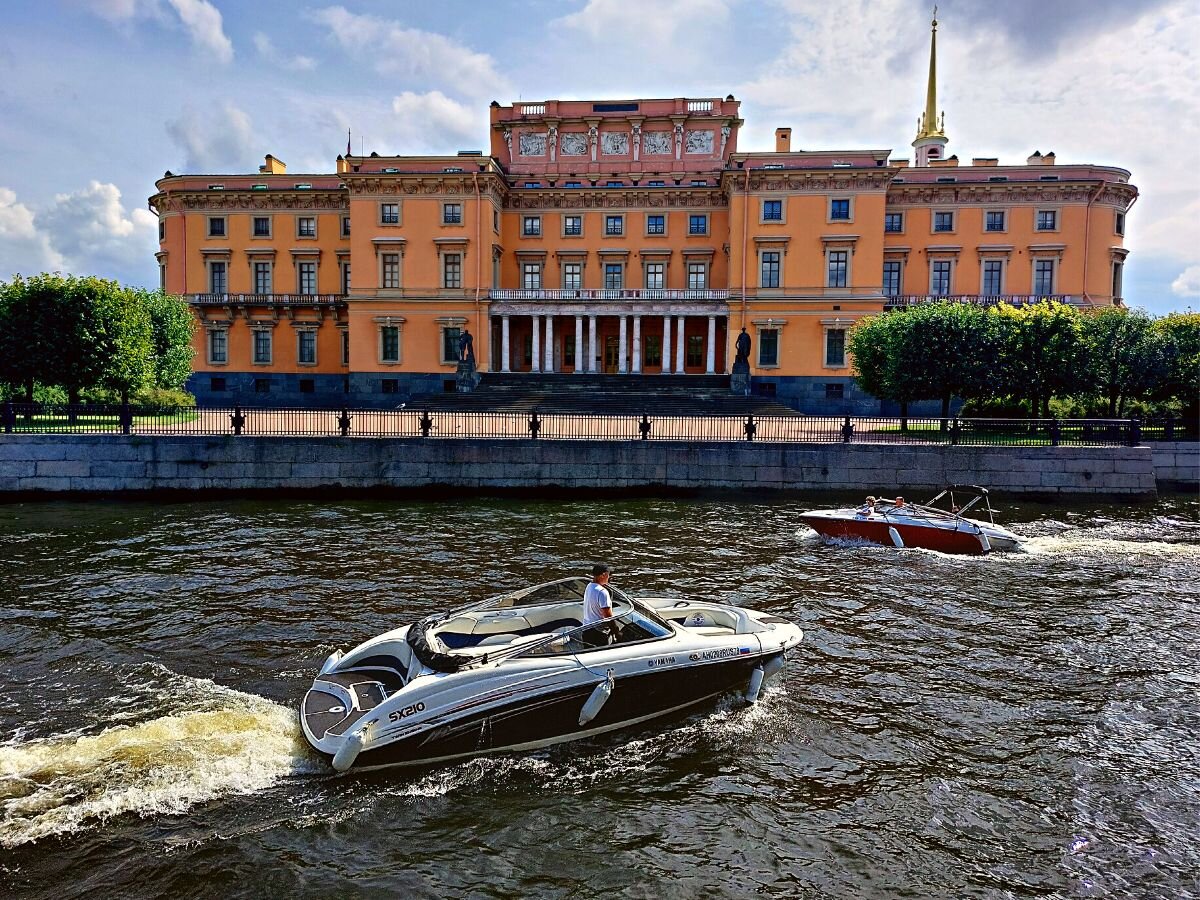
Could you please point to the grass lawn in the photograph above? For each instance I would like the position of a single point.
(86, 422)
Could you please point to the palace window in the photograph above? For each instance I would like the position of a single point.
(614, 225)
(698, 182)
(1118, 279)
(769, 277)
(891, 278)
(391, 271)
(695, 350)
(656, 224)
(572, 225)
(835, 347)
(531, 276)
(614, 276)
(939, 278)
(533, 184)
(262, 346)
(216, 226)
(572, 276)
(656, 275)
(994, 220)
(653, 350)
(162, 229)
(993, 277)
(307, 277)
(697, 276)
(306, 348)
(306, 227)
(1119, 223)
(768, 347)
(572, 184)
(345, 278)
(218, 346)
(569, 350)
(698, 224)
(839, 260)
(943, 221)
(835, 391)
(1047, 220)
(614, 184)
(262, 278)
(217, 281)
(893, 223)
(307, 385)
(389, 343)
(217, 384)
(262, 226)
(656, 183)
(531, 226)
(345, 346)
(345, 226)
(450, 335)
(839, 209)
(1043, 277)
(389, 385)
(452, 270)
(389, 213)
(772, 210)
(262, 385)
(451, 213)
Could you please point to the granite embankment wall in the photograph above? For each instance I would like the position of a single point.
(110, 463)
(1177, 464)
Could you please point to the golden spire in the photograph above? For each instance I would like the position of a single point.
(929, 125)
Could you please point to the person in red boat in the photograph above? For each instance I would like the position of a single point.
(867, 509)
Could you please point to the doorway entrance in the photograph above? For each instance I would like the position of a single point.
(611, 350)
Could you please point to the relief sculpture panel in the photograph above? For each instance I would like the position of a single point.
(615, 143)
(533, 145)
(656, 142)
(574, 144)
(699, 142)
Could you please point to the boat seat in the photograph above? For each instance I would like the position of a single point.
(714, 631)
(493, 640)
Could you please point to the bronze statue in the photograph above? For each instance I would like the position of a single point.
(742, 345)
(466, 347)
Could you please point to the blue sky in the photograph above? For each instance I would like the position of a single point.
(99, 97)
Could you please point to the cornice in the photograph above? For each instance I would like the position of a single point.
(617, 199)
(314, 200)
(415, 185)
(823, 181)
(1008, 192)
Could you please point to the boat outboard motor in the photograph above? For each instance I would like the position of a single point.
(761, 673)
(596, 702)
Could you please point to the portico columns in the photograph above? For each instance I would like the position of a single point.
(579, 348)
(591, 359)
(504, 351)
(666, 348)
(637, 345)
(711, 362)
(621, 358)
(535, 363)
(679, 345)
(549, 366)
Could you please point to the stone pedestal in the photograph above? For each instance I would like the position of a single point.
(467, 378)
(739, 378)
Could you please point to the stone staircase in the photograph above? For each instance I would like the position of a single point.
(655, 395)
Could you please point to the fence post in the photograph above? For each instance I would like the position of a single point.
(644, 427)
(344, 422)
(955, 431)
(535, 425)
(1135, 432)
(426, 423)
(237, 420)
(1055, 432)
(10, 418)
(750, 428)
(1169, 429)
(847, 431)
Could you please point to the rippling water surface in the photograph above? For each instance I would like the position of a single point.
(1022, 725)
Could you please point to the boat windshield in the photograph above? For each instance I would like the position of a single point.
(631, 623)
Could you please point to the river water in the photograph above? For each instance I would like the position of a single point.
(1022, 725)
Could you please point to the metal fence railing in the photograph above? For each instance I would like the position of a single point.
(18, 418)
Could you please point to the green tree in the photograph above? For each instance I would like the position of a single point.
(1125, 358)
(172, 326)
(888, 360)
(957, 351)
(1181, 334)
(1039, 352)
(32, 314)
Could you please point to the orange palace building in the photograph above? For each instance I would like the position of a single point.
(632, 237)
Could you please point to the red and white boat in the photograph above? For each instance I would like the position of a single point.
(928, 526)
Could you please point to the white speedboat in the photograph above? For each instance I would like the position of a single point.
(519, 671)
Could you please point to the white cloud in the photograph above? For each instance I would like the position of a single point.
(437, 121)
(203, 22)
(1188, 283)
(424, 56)
(122, 10)
(215, 140)
(626, 21)
(88, 232)
(267, 50)
(24, 247)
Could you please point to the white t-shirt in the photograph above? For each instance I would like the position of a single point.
(595, 598)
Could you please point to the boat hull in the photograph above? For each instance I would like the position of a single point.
(942, 538)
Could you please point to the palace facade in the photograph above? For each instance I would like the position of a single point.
(631, 237)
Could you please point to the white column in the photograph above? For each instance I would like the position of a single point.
(666, 350)
(591, 360)
(579, 348)
(505, 354)
(712, 345)
(679, 345)
(536, 355)
(622, 358)
(549, 366)
(637, 345)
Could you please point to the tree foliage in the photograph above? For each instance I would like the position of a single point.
(1124, 356)
(1180, 333)
(172, 325)
(1040, 348)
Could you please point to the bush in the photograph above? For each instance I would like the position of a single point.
(157, 401)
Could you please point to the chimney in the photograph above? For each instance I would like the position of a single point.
(1048, 159)
(898, 163)
(1035, 160)
(783, 140)
(343, 165)
(985, 161)
(272, 166)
